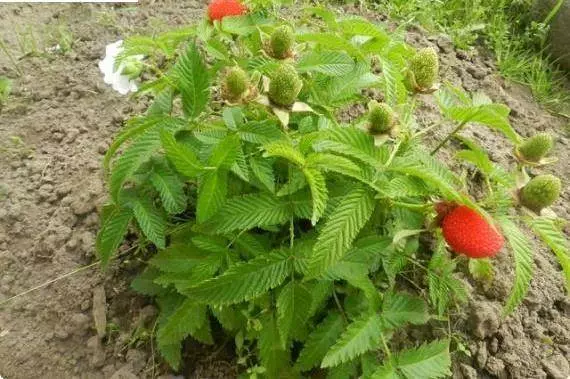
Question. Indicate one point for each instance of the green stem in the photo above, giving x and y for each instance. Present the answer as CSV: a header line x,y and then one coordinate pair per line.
x,y
420,207
339,306
385,346
449,136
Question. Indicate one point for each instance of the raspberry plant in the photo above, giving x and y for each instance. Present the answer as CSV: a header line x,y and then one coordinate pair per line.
x,y
259,207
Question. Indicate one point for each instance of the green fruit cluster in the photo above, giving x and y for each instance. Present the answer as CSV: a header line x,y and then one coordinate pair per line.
x,y
285,85
381,118
281,42
536,147
424,66
235,84
540,192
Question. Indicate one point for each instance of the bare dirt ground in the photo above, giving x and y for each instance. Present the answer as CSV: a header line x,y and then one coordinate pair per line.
x,y
59,121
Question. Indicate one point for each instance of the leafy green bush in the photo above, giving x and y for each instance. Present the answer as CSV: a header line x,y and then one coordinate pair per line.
x,y
293,229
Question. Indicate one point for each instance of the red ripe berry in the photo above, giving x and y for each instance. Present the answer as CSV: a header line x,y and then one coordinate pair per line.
x,y
219,9
468,233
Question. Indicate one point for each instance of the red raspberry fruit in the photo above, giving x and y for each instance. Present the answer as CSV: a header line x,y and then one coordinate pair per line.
x,y
468,233
219,9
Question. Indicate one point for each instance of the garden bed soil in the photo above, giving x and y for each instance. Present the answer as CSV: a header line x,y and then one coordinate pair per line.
x,y
54,130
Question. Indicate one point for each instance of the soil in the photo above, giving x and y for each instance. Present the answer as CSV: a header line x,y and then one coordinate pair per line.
x,y
58,123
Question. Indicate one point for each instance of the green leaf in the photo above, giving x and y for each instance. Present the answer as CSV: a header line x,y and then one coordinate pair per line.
x,y
351,142
293,305
522,253
233,117
319,342
319,192
260,132
171,354
335,163
393,83
144,282
359,26
151,221
191,77
344,88
211,194
429,361
114,226
178,258
330,41
254,210
443,285
263,170
341,229
359,337
548,231
186,320
225,152
330,63
243,281
134,156
273,357
284,150
169,187
182,157
401,308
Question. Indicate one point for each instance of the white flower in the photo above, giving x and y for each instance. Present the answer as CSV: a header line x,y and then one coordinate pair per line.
x,y
121,83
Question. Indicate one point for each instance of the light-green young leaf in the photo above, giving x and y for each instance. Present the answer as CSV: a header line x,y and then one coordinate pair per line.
x,y
319,192
401,308
332,63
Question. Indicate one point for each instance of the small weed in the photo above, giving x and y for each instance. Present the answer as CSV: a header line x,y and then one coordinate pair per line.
x,y
5,89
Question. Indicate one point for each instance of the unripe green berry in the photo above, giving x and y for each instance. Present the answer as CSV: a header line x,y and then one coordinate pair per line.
x,y
425,68
281,42
536,147
380,118
540,192
235,84
285,85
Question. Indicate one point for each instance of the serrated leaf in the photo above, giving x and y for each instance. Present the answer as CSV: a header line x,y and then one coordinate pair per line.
x,y
233,117
182,157
481,269
359,337
319,342
393,81
263,170
225,152
330,63
359,26
522,253
187,319
550,233
273,357
192,80
341,229
144,282
429,361
284,149
212,192
254,210
172,354
169,187
114,226
351,142
319,192
178,258
260,132
243,281
329,41
293,305
151,221
401,308
443,285
335,163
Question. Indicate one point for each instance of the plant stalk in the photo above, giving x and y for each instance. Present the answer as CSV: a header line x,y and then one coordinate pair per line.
x,y
449,136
